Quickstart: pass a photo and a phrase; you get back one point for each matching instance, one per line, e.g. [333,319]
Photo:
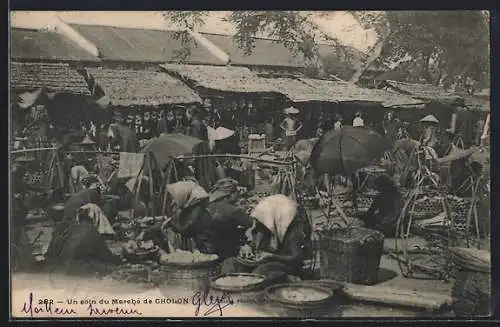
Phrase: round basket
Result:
[241,292]
[275,293]
[141,256]
[240,287]
[301,309]
[192,277]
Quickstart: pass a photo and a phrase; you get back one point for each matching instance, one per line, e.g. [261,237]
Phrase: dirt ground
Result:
[389,275]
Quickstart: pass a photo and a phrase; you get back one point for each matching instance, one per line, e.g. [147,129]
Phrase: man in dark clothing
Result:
[384,212]
[198,129]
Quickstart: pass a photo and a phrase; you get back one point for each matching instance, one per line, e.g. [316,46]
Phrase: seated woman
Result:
[209,223]
[229,221]
[188,216]
[386,207]
[79,237]
[281,228]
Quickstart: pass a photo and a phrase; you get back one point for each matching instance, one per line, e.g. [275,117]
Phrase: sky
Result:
[337,24]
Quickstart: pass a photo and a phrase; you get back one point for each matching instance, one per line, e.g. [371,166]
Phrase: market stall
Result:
[143,95]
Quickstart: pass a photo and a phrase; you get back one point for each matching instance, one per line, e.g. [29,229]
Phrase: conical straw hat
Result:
[429,119]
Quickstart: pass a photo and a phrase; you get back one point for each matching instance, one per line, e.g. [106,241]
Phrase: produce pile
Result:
[186,257]
[304,294]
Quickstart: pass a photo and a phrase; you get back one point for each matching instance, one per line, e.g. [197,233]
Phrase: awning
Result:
[339,91]
[423,91]
[478,103]
[127,87]
[220,78]
[299,91]
[58,78]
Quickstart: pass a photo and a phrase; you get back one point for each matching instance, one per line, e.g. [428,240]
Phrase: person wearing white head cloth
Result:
[280,237]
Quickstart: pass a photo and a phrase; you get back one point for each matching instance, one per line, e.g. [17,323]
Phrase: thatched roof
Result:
[478,103]
[35,44]
[228,79]
[126,87]
[142,45]
[337,91]
[60,78]
[299,91]
[423,91]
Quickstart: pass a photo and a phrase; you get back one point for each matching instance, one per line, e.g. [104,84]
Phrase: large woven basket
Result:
[195,278]
[460,209]
[351,254]
[472,288]
[428,204]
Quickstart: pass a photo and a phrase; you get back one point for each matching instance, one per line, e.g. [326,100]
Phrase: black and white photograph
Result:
[249,164]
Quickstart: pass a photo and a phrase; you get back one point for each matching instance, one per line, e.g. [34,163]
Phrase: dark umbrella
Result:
[166,146]
[345,151]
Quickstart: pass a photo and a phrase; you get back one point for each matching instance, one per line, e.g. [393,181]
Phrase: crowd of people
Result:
[207,219]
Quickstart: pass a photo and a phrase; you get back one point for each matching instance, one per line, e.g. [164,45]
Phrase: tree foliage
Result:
[449,46]
[294,29]
[444,46]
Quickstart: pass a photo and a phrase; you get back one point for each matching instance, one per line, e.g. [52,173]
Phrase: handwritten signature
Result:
[211,304]
[47,306]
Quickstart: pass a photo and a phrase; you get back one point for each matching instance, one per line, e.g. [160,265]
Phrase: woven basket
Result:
[302,309]
[191,278]
[429,207]
[365,200]
[472,288]
[35,179]
[460,210]
[351,254]
[342,196]
[242,293]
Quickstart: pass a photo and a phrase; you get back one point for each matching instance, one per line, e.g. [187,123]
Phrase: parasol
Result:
[429,119]
[166,146]
[346,150]
[291,110]
[222,133]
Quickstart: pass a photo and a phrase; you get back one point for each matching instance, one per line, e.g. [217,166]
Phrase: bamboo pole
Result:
[32,150]
[236,156]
